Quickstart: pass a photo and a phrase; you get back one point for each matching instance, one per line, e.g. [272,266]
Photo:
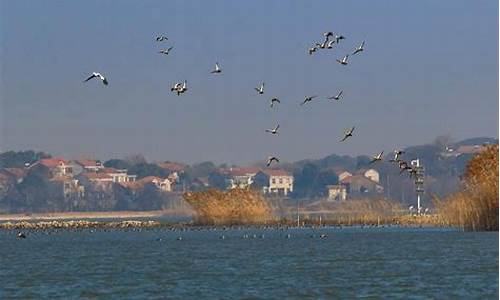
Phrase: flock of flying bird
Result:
[330,39]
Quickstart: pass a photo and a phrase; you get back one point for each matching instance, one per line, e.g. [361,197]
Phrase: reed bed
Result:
[475,208]
[235,206]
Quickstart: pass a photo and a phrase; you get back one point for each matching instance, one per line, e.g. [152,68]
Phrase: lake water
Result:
[374,263]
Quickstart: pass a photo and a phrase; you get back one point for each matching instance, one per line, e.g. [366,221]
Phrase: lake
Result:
[350,262]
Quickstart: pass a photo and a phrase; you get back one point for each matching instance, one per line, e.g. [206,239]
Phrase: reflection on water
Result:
[249,263]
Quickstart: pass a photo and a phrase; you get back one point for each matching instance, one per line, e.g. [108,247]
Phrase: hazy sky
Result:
[429,68]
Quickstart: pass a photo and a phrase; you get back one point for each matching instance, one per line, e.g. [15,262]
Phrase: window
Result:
[273,180]
[281,180]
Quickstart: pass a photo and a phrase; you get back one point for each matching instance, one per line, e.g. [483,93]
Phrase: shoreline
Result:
[96,215]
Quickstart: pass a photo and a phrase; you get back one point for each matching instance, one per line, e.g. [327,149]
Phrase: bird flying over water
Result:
[270,159]
[217,68]
[274,100]
[161,38]
[165,51]
[377,157]
[359,48]
[260,89]
[274,130]
[336,97]
[347,133]
[98,75]
[308,99]
[343,61]
[176,86]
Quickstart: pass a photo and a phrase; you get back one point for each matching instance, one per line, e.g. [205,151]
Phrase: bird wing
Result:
[170,48]
[277,127]
[104,80]
[90,77]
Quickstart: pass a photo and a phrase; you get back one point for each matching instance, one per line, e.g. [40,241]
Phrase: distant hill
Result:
[476,141]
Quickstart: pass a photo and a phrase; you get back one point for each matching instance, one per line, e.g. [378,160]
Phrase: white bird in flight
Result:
[274,130]
[98,75]
[330,44]
[343,61]
[165,51]
[270,159]
[336,97]
[161,38]
[179,87]
[274,100]
[217,69]
[308,99]
[359,48]
[260,89]
[347,133]
[377,157]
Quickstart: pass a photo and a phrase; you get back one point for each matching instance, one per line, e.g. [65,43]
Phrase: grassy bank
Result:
[475,208]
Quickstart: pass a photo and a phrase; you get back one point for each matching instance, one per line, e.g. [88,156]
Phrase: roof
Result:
[112,170]
[360,180]
[172,166]
[364,170]
[52,162]
[88,163]
[95,176]
[16,172]
[471,149]
[242,171]
[276,172]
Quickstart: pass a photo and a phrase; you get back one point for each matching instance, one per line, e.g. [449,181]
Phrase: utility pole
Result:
[298,214]
[418,181]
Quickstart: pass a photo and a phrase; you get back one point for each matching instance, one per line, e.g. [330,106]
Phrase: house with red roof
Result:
[57,166]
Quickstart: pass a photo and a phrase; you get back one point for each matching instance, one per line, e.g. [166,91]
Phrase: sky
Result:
[429,68]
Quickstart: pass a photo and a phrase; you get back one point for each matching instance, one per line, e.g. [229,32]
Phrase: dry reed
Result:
[475,208]
[236,206]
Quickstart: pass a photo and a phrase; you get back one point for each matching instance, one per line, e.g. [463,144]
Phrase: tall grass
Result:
[235,206]
[475,208]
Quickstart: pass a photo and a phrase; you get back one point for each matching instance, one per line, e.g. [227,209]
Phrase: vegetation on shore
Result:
[475,208]
[235,206]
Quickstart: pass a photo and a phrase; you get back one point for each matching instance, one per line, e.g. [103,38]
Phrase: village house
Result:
[343,174]
[240,177]
[57,166]
[89,165]
[274,181]
[337,192]
[163,184]
[371,174]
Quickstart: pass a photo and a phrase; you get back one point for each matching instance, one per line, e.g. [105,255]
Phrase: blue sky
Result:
[429,68]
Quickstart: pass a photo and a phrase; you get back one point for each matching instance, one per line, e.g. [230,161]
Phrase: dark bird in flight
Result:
[161,38]
[270,159]
[308,99]
[343,61]
[359,48]
[260,89]
[347,133]
[336,97]
[273,100]
[165,51]
[217,69]
[274,130]
[377,157]
[98,75]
